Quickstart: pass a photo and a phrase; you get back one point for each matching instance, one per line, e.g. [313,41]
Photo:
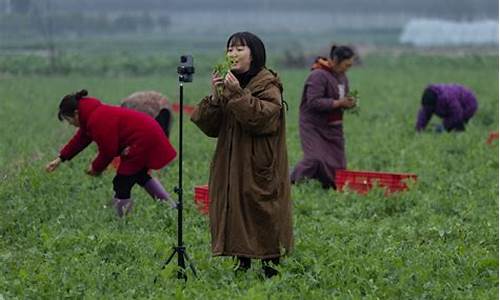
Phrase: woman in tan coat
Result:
[250,211]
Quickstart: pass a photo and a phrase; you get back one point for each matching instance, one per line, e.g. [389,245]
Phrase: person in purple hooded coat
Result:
[324,99]
[454,103]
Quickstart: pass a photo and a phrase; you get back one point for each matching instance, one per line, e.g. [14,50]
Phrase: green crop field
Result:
[59,238]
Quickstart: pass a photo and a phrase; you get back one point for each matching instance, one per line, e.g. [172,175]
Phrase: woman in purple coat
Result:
[454,103]
[321,112]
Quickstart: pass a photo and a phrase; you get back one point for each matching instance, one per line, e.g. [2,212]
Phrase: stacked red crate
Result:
[187,108]
[363,181]
[201,198]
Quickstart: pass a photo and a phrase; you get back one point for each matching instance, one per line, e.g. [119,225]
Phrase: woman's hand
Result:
[231,82]
[346,102]
[217,84]
[91,171]
[51,166]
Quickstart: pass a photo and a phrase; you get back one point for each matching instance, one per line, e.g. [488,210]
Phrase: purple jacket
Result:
[455,104]
[320,140]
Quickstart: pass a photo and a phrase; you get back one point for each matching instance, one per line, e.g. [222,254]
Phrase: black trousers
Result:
[122,184]
[246,262]
[164,118]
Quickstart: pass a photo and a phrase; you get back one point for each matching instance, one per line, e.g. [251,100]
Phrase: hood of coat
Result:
[322,63]
[150,102]
[263,79]
[86,107]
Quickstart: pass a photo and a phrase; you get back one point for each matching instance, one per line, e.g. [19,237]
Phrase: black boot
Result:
[242,264]
[268,270]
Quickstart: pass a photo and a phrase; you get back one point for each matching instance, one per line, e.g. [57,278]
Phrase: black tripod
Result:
[185,71]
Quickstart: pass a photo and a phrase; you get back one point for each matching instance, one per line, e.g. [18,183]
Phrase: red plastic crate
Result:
[493,136]
[363,181]
[188,109]
[201,198]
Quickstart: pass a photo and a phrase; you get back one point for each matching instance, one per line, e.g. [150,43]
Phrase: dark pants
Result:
[246,262]
[122,184]
[164,118]
[313,169]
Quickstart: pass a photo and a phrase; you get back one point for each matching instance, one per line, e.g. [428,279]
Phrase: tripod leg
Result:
[169,259]
[181,272]
[166,262]
[190,264]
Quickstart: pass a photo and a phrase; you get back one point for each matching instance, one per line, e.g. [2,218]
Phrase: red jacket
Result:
[113,128]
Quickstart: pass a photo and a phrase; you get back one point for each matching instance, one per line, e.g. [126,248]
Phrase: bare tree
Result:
[40,13]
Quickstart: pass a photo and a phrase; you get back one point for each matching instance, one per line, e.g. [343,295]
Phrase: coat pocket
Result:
[265,183]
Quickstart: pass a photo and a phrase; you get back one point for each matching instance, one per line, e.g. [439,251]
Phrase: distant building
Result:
[425,32]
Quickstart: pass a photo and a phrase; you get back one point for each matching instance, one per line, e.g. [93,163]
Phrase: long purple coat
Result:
[455,104]
[322,143]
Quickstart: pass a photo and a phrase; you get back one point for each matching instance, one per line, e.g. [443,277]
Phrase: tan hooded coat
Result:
[250,211]
[150,102]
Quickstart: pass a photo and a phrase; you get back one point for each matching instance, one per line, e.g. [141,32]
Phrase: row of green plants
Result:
[105,65]
[39,22]
[58,62]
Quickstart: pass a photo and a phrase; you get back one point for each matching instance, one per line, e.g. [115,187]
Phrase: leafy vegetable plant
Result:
[354,94]
[222,68]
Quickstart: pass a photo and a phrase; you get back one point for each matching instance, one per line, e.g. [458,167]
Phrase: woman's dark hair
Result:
[69,104]
[257,49]
[341,53]
[429,98]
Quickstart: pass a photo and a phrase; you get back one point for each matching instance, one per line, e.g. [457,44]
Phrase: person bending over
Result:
[134,136]
[454,103]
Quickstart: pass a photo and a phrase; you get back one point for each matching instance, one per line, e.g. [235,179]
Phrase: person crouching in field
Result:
[454,103]
[324,99]
[154,104]
[134,136]
[250,210]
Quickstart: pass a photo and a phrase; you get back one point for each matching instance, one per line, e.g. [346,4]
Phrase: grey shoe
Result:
[122,206]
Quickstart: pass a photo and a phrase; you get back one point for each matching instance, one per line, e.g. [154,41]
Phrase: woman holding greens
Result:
[324,99]
[250,209]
